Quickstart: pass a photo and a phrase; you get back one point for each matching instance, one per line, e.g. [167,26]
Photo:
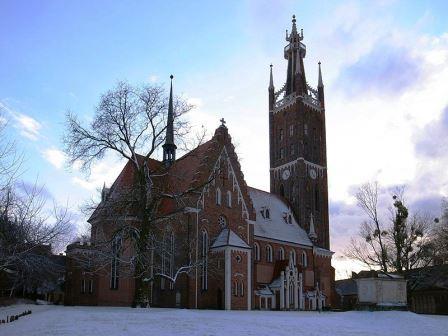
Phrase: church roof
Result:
[229,238]
[276,225]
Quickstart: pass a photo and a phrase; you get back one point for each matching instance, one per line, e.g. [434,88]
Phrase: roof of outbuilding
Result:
[276,227]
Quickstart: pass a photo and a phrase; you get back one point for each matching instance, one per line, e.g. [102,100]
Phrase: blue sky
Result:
[385,68]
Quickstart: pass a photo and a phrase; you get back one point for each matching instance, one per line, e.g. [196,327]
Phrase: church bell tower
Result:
[297,142]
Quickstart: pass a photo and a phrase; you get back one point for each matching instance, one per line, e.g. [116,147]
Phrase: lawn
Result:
[108,321]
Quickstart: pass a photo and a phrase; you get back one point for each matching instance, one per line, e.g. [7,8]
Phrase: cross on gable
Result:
[223,122]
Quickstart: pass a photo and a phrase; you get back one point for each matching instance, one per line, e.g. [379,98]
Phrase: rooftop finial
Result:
[271,79]
[294,28]
[223,122]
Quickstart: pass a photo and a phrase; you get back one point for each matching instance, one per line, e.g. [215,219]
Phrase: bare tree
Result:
[399,242]
[371,248]
[130,120]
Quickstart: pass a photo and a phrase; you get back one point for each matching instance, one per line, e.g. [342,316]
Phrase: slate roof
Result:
[229,238]
[275,227]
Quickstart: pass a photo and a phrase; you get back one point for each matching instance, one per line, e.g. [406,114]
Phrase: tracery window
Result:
[114,272]
[222,222]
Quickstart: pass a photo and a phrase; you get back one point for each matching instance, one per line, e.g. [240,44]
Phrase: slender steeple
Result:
[271,90]
[169,148]
[271,79]
[320,87]
[294,52]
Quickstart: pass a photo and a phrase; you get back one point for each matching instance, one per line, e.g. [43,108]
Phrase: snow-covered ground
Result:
[99,321]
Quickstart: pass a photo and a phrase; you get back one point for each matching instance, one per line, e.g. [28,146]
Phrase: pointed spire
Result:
[294,27]
[312,233]
[169,127]
[169,148]
[320,83]
[271,79]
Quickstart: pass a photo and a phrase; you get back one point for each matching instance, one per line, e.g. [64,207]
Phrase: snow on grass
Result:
[111,321]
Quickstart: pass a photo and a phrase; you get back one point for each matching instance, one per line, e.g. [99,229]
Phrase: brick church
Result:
[249,249]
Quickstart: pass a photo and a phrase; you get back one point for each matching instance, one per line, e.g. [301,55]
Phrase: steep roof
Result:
[276,227]
[427,278]
[229,238]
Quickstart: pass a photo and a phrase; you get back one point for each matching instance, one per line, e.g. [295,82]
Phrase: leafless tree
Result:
[130,120]
[396,242]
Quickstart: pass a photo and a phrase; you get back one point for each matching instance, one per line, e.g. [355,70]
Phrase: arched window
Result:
[171,259]
[235,288]
[268,253]
[282,191]
[292,256]
[204,257]
[267,214]
[256,252]
[229,198]
[304,259]
[281,254]
[218,196]
[115,265]
[241,288]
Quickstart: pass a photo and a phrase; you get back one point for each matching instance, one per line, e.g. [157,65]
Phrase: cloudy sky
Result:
[385,69]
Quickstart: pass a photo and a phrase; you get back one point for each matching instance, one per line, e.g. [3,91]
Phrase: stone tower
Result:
[297,141]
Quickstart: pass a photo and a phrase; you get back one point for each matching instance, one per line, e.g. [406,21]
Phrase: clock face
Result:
[285,175]
[313,173]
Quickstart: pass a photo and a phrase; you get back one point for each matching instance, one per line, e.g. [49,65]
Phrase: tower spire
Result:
[169,148]
[271,79]
[320,83]
[320,88]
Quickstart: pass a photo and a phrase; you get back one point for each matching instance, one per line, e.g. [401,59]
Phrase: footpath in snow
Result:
[108,321]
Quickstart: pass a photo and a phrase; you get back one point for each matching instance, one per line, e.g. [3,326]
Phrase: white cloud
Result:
[55,157]
[104,171]
[28,126]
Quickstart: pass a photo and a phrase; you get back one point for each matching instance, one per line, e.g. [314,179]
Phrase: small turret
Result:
[271,90]
[312,232]
[320,88]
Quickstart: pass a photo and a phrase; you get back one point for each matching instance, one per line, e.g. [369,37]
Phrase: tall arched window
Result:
[256,252]
[115,265]
[282,191]
[229,198]
[281,254]
[241,288]
[171,259]
[304,259]
[292,256]
[218,196]
[268,253]
[204,257]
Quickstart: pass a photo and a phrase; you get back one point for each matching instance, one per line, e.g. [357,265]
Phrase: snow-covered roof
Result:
[276,227]
[229,238]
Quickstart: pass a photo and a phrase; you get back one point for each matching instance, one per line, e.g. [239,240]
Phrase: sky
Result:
[385,71]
